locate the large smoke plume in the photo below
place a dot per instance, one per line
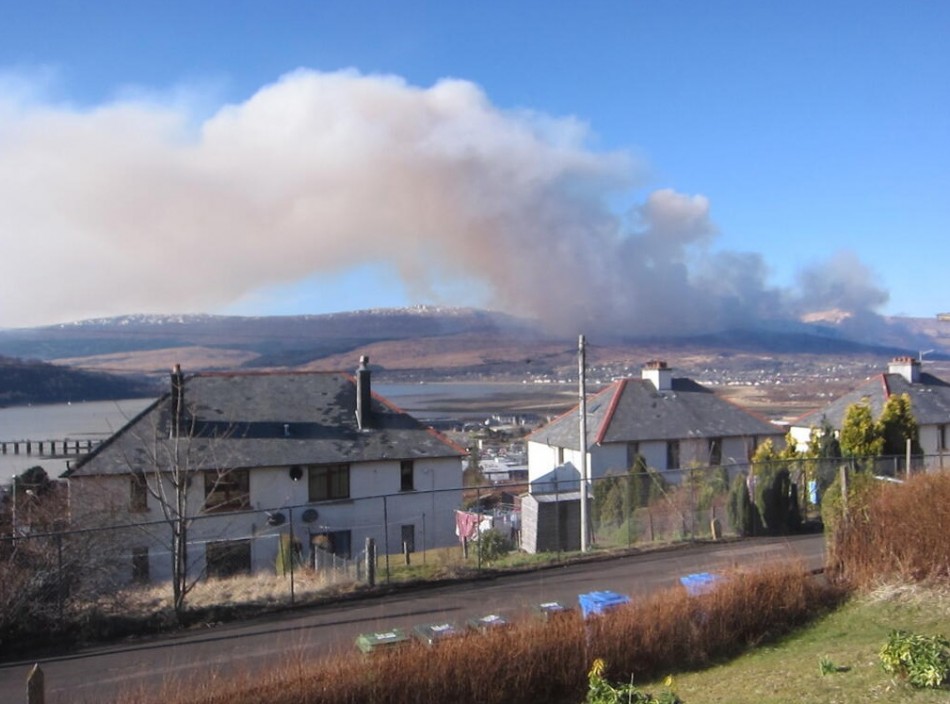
(136, 206)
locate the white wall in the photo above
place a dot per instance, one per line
(612, 457)
(543, 458)
(430, 509)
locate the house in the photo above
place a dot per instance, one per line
(929, 400)
(672, 423)
(269, 457)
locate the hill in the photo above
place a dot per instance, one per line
(432, 343)
(23, 382)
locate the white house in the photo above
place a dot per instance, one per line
(929, 401)
(267, 453)
(671, 422)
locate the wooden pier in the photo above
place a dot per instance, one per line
(48, 448)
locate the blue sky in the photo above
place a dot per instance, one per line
(762, 156)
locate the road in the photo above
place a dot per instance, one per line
(102, 673)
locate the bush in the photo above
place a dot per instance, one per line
(895, 532)
(492, 546)
(861, 485)
(600, 691)
(740, 509)
(924, 661)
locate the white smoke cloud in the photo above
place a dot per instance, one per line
(140, 206)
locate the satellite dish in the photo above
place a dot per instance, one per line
(310, 515)
(276, 519)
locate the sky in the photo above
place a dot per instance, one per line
(645, 167)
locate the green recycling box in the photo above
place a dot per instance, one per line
(383, 640)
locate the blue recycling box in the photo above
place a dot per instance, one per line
(699, 583)
(601, 602)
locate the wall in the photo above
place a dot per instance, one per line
(429, 509)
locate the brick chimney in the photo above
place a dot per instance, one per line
(657, 373)
(363, 394)
(907, 367)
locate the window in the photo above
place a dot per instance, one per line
(140, 564)
(941, 438)
(633, 450)
(329, 481)
(405, 475)
(334, 543)
(409, 538)
(227, 491)
(560, 456)
(673, 454)
(715, 451)
(138, 496)
(227, 558)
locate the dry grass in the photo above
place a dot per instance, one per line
(534, 660)
(900, 535)
(259, 589)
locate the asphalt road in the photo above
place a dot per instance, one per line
(100, 674)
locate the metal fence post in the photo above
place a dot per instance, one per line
(293, 553)
(59, 578)
(370, 558)
(386, 535)
(478, 529)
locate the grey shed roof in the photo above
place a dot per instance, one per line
(247, 420)
(929, 400)
(632, 410)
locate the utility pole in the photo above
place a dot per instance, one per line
(582, 392)
(13, 512)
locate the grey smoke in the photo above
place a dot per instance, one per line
(139, 206)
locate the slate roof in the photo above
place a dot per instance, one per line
(632, 410)
(929, 400)
(273, 419)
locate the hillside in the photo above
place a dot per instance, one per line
(23, 382)
(781, 371)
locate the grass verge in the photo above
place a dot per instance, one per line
(788, 671)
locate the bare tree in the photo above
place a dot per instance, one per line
(177, 462)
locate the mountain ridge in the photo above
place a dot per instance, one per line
(430, 343)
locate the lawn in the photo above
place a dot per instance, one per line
(787, 671)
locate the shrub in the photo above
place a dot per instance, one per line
(924, 661)
(861, 486)
(611, 501)
(492, 546)
(773, 496)
(740, 510)
(600, 691)
(895, 532)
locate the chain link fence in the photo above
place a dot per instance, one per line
(105, 580)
